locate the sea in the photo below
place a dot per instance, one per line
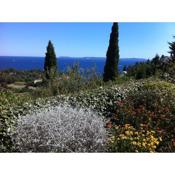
(37, 63)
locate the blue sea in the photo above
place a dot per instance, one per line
(30, 63)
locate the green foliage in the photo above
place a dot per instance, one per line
(122, 79)
(102, 99)
(111, 66)
(159, 66)
(156, 67)
(50, 65)
(10, 108)
(169, 72)
(12, 75)
(71, 82)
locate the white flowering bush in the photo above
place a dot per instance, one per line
(60, 129)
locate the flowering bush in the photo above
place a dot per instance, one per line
(60, 129)
(128, 139)
(102, 99)
(153, 105)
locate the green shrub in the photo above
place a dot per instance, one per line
(10, 108)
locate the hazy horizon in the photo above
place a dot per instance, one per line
(68, 57)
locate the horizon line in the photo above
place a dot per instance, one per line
(75, 57)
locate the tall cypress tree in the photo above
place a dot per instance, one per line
(112, 56)
(50, 65)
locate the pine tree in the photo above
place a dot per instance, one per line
(172, 50)
(156, 60)
(50, 65)
(155, 64)
(112, 56)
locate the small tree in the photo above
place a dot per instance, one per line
(156, 60)
(172, 50)
(50, 65)
(155, 64)
(112, 56)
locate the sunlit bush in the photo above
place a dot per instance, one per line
(102, 99)
(153, 105)
(60, 129)
(128, 139)
(11, 105)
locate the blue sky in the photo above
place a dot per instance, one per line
(139, 40)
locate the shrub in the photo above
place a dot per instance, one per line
(60, 129)
(102, 99)
(128, 139)
(10, 107)
(153, 105)
(72, 81)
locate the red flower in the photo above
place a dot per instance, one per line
(109, 124)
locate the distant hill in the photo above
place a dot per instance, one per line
(102, 58)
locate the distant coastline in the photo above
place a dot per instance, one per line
(29, 63)
(69, 57)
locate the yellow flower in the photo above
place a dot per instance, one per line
(143, 144)
(136, 133)
(157, 142)
(152, 137)
(139, 144)
(134, 143)
(153, 132)
(131, 132)
(124, 137)
(154, 147)
(127, 132)
(139, 140)
(127, 125)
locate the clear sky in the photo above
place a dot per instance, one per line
(139, 40)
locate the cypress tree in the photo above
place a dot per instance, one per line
(50, 65)
(112, 56)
